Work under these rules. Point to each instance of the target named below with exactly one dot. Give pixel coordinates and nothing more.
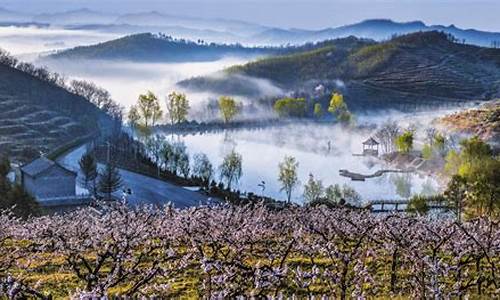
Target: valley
(189, 150)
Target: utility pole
(107, 143)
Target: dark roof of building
(370, 142)
(40, 165)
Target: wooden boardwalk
(398, 205)
(362, 177)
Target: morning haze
(314, 14)
(262, 149)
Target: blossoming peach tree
(249, 251)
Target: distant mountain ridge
(73, 17)
(226, 30)
(151, 47)
(377, 29)
(415, 69)
(155, 18)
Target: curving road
(145, 190)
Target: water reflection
(403, 184)
(320, 149)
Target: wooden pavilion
(370, 147)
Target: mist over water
(126, 80)
(263, 149)
(28, 42)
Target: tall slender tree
(110, 181)
(88, 167)
(288, 175)
(177, 107)
(228, 108)
(231, 168)
(313, 189)
(149, 109)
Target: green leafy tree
(228, 108)
(440, 143)
(404, 142)
(149, 109)
(453, 162)
(110, 181)
(313, 190)
(479, 173)
(290, 107)
(455, 195)
(88, 168)
(418, 205)
(427, 152)
(483, 189)
(288, 175)
(231, 168)
(177, 107)
(318, 110)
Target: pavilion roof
(370, 142)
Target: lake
(263, 149)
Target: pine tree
(110, 181)
(88, 167)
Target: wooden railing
(399, 205)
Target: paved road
(145, 190)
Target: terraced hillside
(483, 121)
(416, 69)
(36, 116)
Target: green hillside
(151, 47)
(420, 67)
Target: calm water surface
(263, 149)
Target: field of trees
(247, 251)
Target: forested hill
(152, 47)
(423, 67)
(36, 115)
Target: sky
(309, 14)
